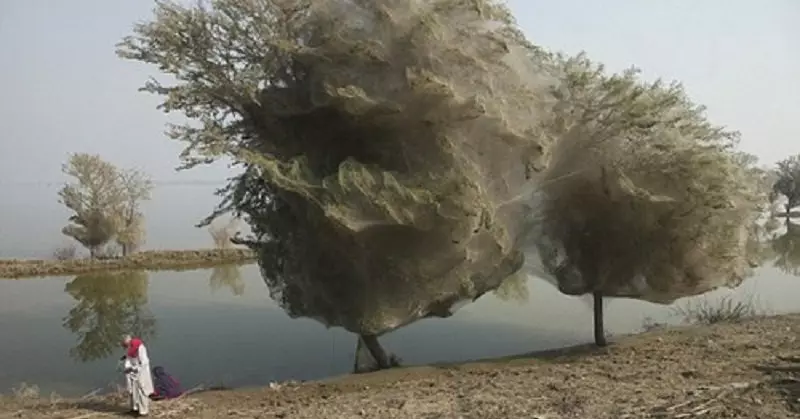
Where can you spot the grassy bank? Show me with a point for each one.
(151, 260)
(746, 369)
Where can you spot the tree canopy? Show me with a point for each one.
(136, 187)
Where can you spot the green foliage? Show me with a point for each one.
(108, 306)
(724, 310)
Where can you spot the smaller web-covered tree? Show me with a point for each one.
(643, 197)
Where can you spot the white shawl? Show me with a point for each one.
(139, 382)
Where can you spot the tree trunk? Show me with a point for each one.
(124, 250)
(356, 365)
(377, 351)
(599, 329)
(92, 252)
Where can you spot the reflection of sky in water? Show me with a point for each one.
(208, 334)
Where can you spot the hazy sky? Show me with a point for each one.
(62, 89)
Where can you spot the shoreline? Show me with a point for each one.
(745, 369)
(144, 260)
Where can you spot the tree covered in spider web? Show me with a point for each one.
(384, 145)
(642, 197)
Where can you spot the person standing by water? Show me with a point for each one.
(138, 379)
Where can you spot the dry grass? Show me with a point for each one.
(649, 324)
(748, 369)
(68, 252)
(726, 309)
(29, 404)
(152, 259)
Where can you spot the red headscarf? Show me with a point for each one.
(133, 347)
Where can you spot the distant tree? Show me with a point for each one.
(223, 233)
(105, 201)
(787, 183)
(136, 187)
(66, 252)
(93, 197)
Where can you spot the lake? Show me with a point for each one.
(220, 327)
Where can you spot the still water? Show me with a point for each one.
(219, 327)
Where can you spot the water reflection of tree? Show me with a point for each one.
(787, 249)
(229, 276)
(108, 306)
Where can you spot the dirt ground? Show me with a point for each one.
(749, 370)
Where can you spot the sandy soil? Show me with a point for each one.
(749, 369)
(151, 259)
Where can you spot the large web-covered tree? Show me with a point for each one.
(380, 143)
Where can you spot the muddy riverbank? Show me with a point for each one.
(746, 369)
